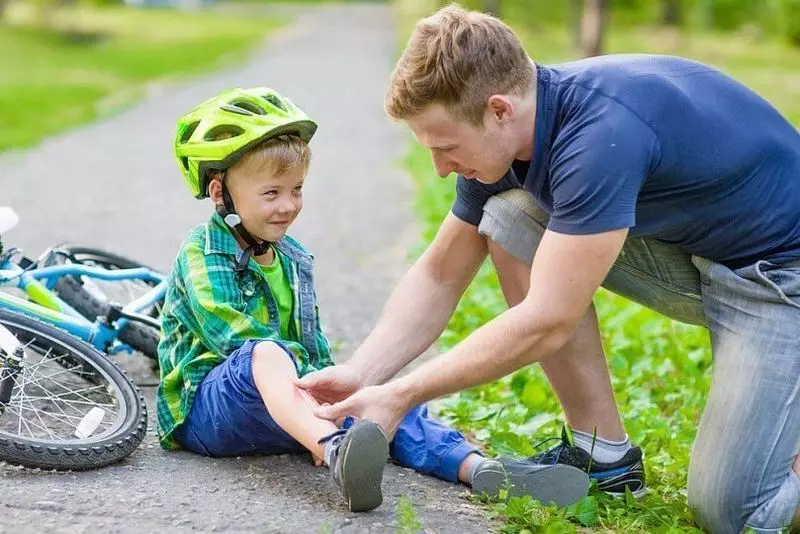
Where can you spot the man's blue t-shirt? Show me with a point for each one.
(667, 147)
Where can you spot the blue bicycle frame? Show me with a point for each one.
(44, 304)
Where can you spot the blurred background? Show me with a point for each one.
(65, 63)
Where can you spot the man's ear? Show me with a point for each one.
(501, 107)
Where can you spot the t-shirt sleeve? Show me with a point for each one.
(471, 195)
(597, 170)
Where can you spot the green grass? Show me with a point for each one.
(90, 62)
(661, 369)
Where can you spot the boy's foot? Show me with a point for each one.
(357, 459)
(612, 478)
(559, 484)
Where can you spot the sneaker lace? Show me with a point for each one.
(552, 455)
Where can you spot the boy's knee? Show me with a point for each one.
(269, 354)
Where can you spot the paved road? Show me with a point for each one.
(114, 184)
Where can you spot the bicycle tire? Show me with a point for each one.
(79, 454)
(140, 337)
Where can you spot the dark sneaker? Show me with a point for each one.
(611, 478)
(357, 461)
(560, 484)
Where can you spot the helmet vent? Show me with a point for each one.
(223, 131)
(243, 107)
(275, 101)
(187, 133)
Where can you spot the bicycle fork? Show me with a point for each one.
(11, 356)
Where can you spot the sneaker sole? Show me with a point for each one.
(560, 484)
(362, 466)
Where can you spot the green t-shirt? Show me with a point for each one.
(281, 290)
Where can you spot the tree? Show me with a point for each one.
(671, 12)
(593, 27)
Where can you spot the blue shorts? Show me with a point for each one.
(228, 418)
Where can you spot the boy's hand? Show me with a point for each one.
(332, 384)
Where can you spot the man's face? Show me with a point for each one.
(483, 154)
(268, 204)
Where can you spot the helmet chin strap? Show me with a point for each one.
(228, 213)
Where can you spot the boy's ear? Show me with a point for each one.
(215, 188)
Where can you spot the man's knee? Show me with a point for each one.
(514, 221)
(715, 501)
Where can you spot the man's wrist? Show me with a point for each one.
(407, 390)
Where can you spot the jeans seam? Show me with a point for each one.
(657, 281)
(764, 278)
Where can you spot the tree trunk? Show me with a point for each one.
(576, 15)
(3, 6)
(671, 12)
(492, 7)
(593, 27)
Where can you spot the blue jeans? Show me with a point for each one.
(741, 469)
(228, 418)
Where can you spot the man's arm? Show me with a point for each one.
(422, 303)
(414, 316)
(566, 272)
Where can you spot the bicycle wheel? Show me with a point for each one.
(92, 297)
(57, 418)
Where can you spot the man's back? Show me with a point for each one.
(710, 165)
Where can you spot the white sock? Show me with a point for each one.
(604, 451)
(329, 446)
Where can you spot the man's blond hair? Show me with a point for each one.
(458, 58)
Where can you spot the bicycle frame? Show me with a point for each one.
(44, 303)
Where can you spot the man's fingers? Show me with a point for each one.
(331, 412)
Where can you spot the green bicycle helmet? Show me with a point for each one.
(215, 134)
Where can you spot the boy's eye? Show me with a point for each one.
(298, 189)
(271, 193)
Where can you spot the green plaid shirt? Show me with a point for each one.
(211, 309)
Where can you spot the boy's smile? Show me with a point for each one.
(267, 203)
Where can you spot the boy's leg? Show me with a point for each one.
(741, 471)
(429, 447)
(228, 416)
(290, 407)
(241, 408)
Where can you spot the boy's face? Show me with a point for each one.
(268, 204)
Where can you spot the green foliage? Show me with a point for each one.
(661, 370)
(92, 61)
(407, 521)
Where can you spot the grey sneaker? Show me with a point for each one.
(357, 461)
(559, 484)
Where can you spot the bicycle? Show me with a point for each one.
(63, 403)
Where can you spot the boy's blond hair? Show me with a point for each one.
(278, 155)
(458, 58)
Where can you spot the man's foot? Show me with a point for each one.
(559, 484)
(611, 478)
(357, 459)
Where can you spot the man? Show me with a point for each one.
(660, 178)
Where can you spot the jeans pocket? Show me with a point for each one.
(785, 282)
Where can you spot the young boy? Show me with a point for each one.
(240, 322)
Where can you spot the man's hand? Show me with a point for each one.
(332, 384)
(385, 405)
